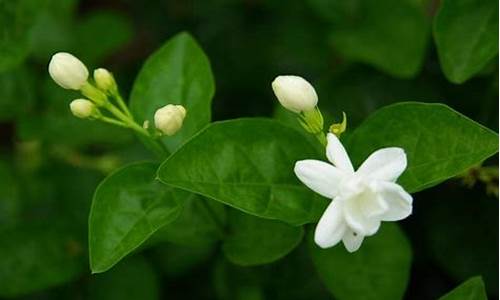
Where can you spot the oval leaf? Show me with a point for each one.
(274, 239)
(247, 164)
(472, 289)
(378, 270)
(128, 207)
(178, 73)
(466, 34)
(440, 143)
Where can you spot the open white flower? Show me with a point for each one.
(361, 199)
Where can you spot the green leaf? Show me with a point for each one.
(440, 143)
(247, 164)
(378, 270)
(16, 19)
(390, 35)
(128, 207)
(274, 239)
(466, 34)
(472, 289)
(132, 279)
(36, 256)
(198, 225)
(178, 73)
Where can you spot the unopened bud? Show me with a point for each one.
(169, 118)
(104, 79)
(82, 108)
(295, 93)
(68, 71)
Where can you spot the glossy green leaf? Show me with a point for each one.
(466, 34)
(36, 256)
(178, 73)
(16, 19)
(365, 31)
(247, 164)
(380, 269)
(440, 143)
(472, 289)
(134, 278)
(274, 239)
(128, 207)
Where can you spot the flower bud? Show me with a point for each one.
(104, 79)
(295, 93)
(82, 108)
(68, 71)
(169, 118)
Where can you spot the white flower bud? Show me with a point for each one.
(295, 93)
(169, 118)
(82, 108)
(104, 79)
(68, 71)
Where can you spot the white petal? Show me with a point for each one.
(352, 240)
(331, 227)
(337, 155)
(399, 202)
(319, 176)
(356, 217)
(384, 164)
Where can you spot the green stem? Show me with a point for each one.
(321, 138)
(113, 121)
(121, 103)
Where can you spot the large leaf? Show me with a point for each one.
(177, 73)
(247, 164)
(378, 270)
(128, 207)
(391, 35)
(132, 279)
(472, 289)
(466, 34)
(440, 143)
(274, 239)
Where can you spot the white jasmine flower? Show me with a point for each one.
(68, 71)
(104, 79)
(361, 199)
(82, 108)
(295, 93)
(169, 118)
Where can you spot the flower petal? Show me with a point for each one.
(356, 217)
(336, 154)
(319, 176)
(399, 202)
(352, 240)
(331, 227)
(384, 164)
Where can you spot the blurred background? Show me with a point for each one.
(359, 57)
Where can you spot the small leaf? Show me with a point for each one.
(132, 279)
(274, 239)
(247, 164)
(472, 289)
(128, 207)
(378, 270)
(178, 73)
(466, 34)
(440, 143)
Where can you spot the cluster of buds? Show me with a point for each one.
(70, 73)
(297, 95)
